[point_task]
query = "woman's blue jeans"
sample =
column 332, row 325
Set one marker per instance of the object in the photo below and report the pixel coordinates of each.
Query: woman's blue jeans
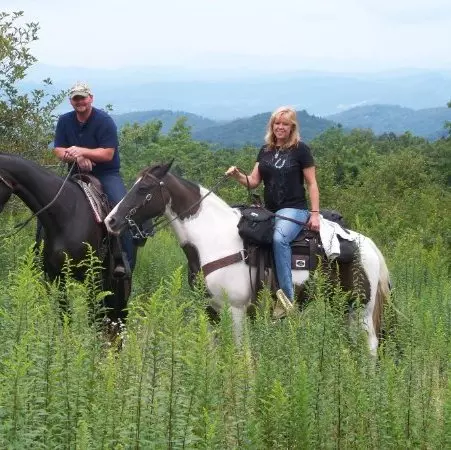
column 285, row 232
column 114, row 188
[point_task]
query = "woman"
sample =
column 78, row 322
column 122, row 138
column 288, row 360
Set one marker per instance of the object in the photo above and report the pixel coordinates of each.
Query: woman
column 284, row 164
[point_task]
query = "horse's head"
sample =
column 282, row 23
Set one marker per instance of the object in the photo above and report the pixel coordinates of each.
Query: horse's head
column 146, row 199
column 6, row 189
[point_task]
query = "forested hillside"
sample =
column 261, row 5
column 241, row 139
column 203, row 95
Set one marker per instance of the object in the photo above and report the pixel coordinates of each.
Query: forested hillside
column 250, row 131
column 167, row 117
column 236, row 133
column 427, row 123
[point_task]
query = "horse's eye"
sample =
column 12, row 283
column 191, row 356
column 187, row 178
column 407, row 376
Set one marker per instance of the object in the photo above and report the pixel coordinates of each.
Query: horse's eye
column 143, row 189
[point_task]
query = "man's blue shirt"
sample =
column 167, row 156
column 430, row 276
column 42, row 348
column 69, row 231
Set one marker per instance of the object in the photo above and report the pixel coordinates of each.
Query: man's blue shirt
column 99, row 131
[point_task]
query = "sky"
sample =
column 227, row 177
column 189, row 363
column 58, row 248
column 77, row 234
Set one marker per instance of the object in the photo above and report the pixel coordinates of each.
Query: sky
column 242, row 35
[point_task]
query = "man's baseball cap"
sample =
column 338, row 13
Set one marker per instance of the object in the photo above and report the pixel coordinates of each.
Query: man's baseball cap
column 80, row 89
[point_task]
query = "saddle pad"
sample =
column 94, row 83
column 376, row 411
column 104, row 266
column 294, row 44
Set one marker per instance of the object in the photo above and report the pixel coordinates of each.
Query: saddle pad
column 97, row 200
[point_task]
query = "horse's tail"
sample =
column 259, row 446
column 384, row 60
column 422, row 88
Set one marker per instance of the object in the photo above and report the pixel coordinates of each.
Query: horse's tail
column 382, row 293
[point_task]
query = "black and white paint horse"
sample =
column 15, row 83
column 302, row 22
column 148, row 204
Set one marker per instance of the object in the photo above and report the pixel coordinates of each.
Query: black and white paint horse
column 206, row 228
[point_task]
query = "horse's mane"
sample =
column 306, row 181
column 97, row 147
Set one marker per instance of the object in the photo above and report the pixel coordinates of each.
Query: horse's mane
column 24, row 160
column 32, row 165
column 154, row 168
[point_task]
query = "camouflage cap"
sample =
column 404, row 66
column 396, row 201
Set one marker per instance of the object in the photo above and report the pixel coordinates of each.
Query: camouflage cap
column 80, row 89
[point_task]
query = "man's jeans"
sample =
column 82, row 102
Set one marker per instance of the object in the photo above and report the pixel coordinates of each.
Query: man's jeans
column 284, row 233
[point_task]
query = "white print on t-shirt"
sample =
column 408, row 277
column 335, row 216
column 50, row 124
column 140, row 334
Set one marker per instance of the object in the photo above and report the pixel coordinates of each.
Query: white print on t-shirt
column 279, row 162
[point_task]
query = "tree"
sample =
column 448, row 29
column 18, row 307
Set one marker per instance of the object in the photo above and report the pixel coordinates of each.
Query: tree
column 447, row 123
column 26, row 119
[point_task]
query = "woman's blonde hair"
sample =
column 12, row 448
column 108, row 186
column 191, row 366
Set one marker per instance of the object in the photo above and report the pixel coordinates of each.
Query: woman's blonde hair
column 290, row 115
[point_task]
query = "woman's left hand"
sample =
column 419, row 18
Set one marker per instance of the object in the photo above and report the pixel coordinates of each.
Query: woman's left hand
column 313, row 222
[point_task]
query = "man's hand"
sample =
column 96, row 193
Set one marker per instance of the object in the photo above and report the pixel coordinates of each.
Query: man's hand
column 74, row 152
column 85, row 164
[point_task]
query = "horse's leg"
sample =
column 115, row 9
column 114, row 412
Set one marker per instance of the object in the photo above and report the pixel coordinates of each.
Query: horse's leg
column 238, row 317
column 368, row 324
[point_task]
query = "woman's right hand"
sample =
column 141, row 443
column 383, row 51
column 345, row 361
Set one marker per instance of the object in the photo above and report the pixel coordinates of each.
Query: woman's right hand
column 233, row 172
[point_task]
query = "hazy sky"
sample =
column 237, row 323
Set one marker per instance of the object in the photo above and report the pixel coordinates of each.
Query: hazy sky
column 358, row 35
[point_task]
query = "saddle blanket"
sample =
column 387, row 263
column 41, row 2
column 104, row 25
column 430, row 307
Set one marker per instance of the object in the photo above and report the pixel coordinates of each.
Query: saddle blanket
column 329, row 233
column 97, row 199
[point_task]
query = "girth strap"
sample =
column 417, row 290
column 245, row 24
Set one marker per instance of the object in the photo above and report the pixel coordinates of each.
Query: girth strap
column 224, row 262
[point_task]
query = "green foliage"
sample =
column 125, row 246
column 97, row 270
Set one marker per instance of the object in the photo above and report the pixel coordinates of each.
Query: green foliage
column 179, row 381
column 167, row 117
column 26, row 119
column 448, row 123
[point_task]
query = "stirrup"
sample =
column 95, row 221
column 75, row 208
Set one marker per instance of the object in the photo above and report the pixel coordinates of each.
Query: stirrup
column 122, row 268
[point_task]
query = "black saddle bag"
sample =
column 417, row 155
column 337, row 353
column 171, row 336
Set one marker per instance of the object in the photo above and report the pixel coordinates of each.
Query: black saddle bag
column 256, row 226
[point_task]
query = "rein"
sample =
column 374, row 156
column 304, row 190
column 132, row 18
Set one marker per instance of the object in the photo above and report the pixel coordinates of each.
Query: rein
column 20, row 226
column 161, row 221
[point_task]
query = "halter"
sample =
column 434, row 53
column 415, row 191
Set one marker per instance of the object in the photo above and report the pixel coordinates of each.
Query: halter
column 137, row 232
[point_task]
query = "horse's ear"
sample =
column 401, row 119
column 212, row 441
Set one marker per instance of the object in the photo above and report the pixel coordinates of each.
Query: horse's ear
column 162, row 170
column 170, row 164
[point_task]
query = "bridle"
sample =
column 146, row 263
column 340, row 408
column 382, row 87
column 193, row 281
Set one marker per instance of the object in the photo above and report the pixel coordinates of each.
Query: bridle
column 161, row 222
column 136, row 231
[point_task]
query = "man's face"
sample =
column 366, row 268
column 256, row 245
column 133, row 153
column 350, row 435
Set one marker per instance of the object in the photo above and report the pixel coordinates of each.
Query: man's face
column 81, row 104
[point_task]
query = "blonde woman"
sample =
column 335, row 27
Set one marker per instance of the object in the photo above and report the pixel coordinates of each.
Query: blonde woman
column 285, row 164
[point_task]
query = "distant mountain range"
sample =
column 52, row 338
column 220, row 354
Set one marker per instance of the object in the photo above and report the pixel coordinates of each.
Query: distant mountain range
column 167, row 117
column 247, row 93
column 427, row 123
column 251, row 130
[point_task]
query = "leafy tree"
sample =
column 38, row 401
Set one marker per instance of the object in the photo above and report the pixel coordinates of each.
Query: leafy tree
column 26, row 119
column 447, row 123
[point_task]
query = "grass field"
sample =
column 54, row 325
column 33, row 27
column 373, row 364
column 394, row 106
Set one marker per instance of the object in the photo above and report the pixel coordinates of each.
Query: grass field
column 180, row 381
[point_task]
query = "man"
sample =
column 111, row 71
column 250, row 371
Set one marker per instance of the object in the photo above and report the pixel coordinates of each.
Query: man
column 87, row 136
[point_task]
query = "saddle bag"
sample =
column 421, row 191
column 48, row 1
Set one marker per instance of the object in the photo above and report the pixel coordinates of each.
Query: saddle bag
column 256, row 226
column 306, row 250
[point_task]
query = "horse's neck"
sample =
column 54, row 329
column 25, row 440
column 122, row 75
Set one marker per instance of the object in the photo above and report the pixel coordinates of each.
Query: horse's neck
column 36, row 187
column 212, row 226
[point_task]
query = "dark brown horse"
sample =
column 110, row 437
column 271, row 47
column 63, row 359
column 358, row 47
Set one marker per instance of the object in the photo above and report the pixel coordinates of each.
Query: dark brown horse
column 68, row 222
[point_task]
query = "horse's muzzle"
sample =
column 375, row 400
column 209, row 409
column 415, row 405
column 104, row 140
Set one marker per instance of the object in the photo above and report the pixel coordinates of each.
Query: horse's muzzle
column 112, row 225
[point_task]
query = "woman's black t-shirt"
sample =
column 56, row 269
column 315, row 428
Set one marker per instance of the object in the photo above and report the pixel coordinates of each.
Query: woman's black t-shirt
column 281, row 171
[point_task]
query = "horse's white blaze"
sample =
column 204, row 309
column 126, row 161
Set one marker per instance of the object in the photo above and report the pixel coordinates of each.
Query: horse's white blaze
column 115, row 209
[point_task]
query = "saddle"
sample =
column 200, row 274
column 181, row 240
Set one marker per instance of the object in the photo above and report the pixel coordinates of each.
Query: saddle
column 306, row 253
column 100, row 207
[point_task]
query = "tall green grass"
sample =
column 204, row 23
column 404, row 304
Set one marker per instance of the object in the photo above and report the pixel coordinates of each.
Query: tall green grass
column 180, row 381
